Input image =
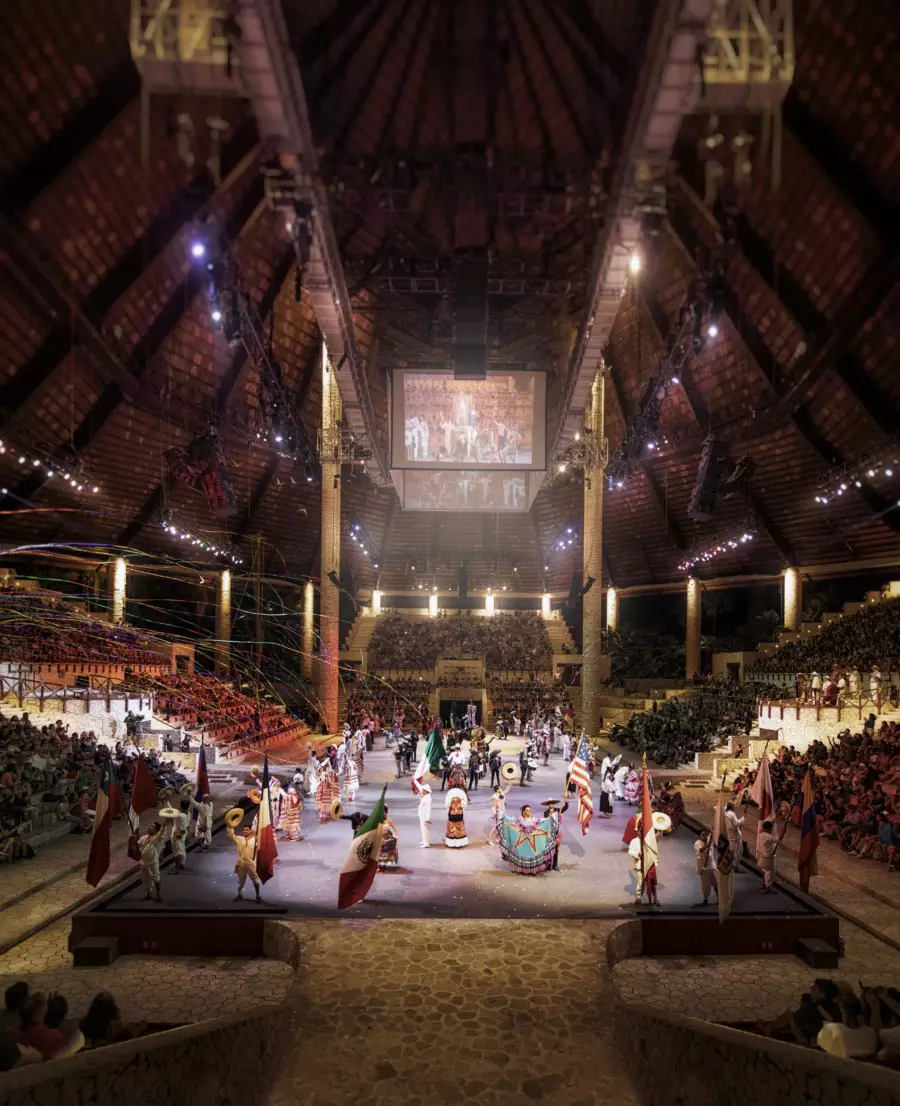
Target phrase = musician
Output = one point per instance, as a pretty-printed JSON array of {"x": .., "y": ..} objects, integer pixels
[
  {"x": 246, "y": 861},
  {"x": 150, "y": 846},
  {"x": 445, "y": 771},
  {"x": 523, "y": 767},
  {"x": 494, "y": 763}
]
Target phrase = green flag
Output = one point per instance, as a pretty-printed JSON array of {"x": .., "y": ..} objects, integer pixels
[{"x": 434, "y": 750}]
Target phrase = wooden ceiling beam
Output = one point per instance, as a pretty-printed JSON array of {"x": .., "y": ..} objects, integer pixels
[
  {"x": 256, "y": 499},
  {"x": 71, "y": 141},
  {"x": 153, "y": 503},
  {"x": 137, "y": 368},
  {"x": 824, "y": 148}
]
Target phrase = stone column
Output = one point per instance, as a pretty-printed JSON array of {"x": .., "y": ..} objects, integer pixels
[
  {"x": 329, "y": 594},
  {"x": 612, "y": 608},
  {"x": 694, "y": 612},
  {"x": 117, "y": 584},
  {"x": 793, "y": 591},
  {"x": 223, "y": 626},
  {"x": 592, "y": 670},
  {"x": 307, "y": 640}
]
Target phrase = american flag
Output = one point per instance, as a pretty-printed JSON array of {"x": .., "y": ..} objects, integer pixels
[{"x": 580, "y": 776}]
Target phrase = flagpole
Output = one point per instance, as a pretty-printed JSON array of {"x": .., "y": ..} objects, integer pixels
[
  {"x": 787, "y": 820},
  {"x": 709, "y": 844},
  {"x": 644, "y": 790}
]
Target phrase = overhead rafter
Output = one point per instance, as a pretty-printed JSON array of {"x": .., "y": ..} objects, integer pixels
[
  {"x": 66, "y": 145},
  {"x": 256, "y": 499},
  {"x": 828, "y": 342},
  {"x": 153, "y": 503},
  {"x": 656, "y": 491},
  {"x": 134, "y": 373},
  {"x": 85, "y": 317},
  {"x": 823, "y": 147},
  {"x": 685, "y": 236}
]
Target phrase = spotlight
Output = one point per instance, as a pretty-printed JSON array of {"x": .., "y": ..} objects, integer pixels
[
  {"x": 279, "y": 439},
  {"x": 37, "y": 462},
  {"x": 562, "y": 467},
  {"x": 577, "y": 436},
  {"x": 676, "y": 380},
  {"x": 888, "y": 472},
  {"x": 198, "y": 249},
  {"x": 216, "y": 315},
  {"x": 95, "y": 489},
  {"x": 651, "y": 446},
  {"x": 634, "y": 264},
  {"x": 21, "y": 460},
  {"x": 858, "y": 483},
  {"x": 870, "y": 473},
  {"x": 712, "y": 331}
]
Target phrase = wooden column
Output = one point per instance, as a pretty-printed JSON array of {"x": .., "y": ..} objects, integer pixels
[
  {"x": 329, "y": 593},
  {"x": 793, "y": 591},
  {"x": 694, "y": 612},
  {"x": 223, "y": 626},
  {"x": 592, "y": 671}
]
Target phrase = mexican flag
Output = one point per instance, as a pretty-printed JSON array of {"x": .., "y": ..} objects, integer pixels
[
  {"x": 434, "y": 750},
  {"x": 361, "y": 862}
]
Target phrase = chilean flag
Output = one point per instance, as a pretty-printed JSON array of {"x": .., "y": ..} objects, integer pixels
[
  {"x": 266, "y": 849},
  {"x": 202, "y": 782},
  {"x": 809, "y": 835},
  {"x": 109, "y": 806}
]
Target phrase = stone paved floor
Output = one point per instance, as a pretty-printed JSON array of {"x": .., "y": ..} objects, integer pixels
[
  {"x": 147, "y": 988},
  {"x": 436, "y": 1012}
]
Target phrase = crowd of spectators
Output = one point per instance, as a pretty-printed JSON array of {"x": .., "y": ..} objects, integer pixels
[
  {"x": 833, "y": 1018},
  {"x": 35, "y": 1027},
  {"x": 672, "y": 732},
  {"x": 516, "y": 641},
  {"x": 37, "y": 630},
  {"x": 527, "y": 698},
  {"x": 378, "y": 701},
  {"x": 853, "y": 643},
  {"x": 855, "y": 786}
]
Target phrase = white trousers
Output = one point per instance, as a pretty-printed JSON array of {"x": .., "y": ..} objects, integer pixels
[{"x": 425, "y": 830}]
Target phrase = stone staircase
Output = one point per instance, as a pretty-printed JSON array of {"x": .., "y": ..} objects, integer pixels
[
  {"x": 558, "y": 633},
  {"x": 359, "y": 638},
  {"x": 721, "y": 762}
]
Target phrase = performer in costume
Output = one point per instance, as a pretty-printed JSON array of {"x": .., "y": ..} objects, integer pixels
[
  {"x": 149, "y": 847},
  {"x": 178, "y": 831},
  {"x": 606, "y": 791},
  {"x": 621, "y": 775},
  {"x": 204, "y": 820},
  {"x": 389, "y": 856},
  {"x": 471, "y": 711},
  {"x": 312, "y": 776},
  {"x": 633, "y": 786},
  {"x": 292, "y": 822},
  {"x": 671, "y": 803},
  {"x": 424, "y": 812},
  {"x": 555, "y": 817},
  {"x": 527, "y": 843},
  {"x": 246, "y": 861},
  {"x": 351, "y": 778},
  {"x": 456, "y": 802},
  {"x": 327, "y": 791},
  {"x": 632, "y": 829},
  {"x": 498, "y": 810}
]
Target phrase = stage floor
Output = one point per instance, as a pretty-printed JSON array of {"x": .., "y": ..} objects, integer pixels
[{"x": 594, "y": 878}]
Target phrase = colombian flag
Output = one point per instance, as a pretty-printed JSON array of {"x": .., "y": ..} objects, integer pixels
[
  {"x": 109, "y": 806},
  {"x": 809, "y": 835}
]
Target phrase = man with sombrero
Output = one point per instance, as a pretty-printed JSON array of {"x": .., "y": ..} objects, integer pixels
[
  {"x": 246, "y": 854},
  {"x": 554, "y": 812}
]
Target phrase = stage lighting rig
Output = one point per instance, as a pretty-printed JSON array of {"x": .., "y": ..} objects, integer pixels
[
  {"x": 195, "y": 543},
  {"x": 875, "y": 470},
  {"x": 364, "y": 542},
  {"x": 725, "y": 541},
  {"x": 235, "y": 312},
  {"x": 64, "y": 469}
]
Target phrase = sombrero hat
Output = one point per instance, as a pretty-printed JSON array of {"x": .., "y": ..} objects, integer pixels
[
  {"x": 169, "y": 812},
  {"x": 662, "y": 823},
  {"x": 337, "y": 809},
  {"x": 508, "y": 771},
  {"x": 234, "y": 817}
]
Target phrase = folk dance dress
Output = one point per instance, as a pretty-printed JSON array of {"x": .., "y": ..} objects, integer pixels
[
  {"x": 351, "y": 779},
  {"x": 327, "y": 791},
  {"x": 292, "y": 822},
  {"x": 633, "y": 787},
  {"x": 606, "y": 793},
  {"x": 456, "y": 802}
]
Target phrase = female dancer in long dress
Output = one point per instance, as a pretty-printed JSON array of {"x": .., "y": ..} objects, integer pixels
[
  {"x": 328, "y": 790},
  {"x": 292, "y": 823},
  {"x": 456, "y": 802}
]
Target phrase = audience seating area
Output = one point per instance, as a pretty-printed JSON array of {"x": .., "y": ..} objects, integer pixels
[
  {"x": 35, "y": 629},
  {"x": 516, "y": 641},
  {"x": 854, "y": 642},
  {"x": 673, "y": 731},
  {"x": 49, "y": 778},
  {"x": 376, "y": 698},
  {"x": 526, "y": 697},
  {"x": 218, "y": 712}
]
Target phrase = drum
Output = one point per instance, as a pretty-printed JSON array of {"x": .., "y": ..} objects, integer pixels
[
  {"x": 532, "y": 763},
  {"x": 508, "y": 771}
]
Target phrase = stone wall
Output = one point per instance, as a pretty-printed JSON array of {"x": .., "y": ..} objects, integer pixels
[
  {"x": 676, "y": 1061},
  {"x": 801, "y": 732},
  {"x": 228, "y": 1059}
]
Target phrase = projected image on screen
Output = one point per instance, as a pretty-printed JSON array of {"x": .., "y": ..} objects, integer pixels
[
  {"x": 464, "y": 491},
  {"x": 441, "y": 422}
]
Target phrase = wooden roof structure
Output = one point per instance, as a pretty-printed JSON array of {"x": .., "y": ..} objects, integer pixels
[{"x": 442, "y": 127}]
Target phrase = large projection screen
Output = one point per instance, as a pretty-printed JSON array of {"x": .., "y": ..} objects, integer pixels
[{"x": 439, "y": 422}]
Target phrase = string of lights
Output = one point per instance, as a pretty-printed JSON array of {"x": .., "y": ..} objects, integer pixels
[
  {"x": 365, "y": 543},
  {"x": 724, "y": 542},
  {"x": 71, "y": 471},
  {"x": 200, "y": 544},
  {"x": 872, "y": 470}
]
